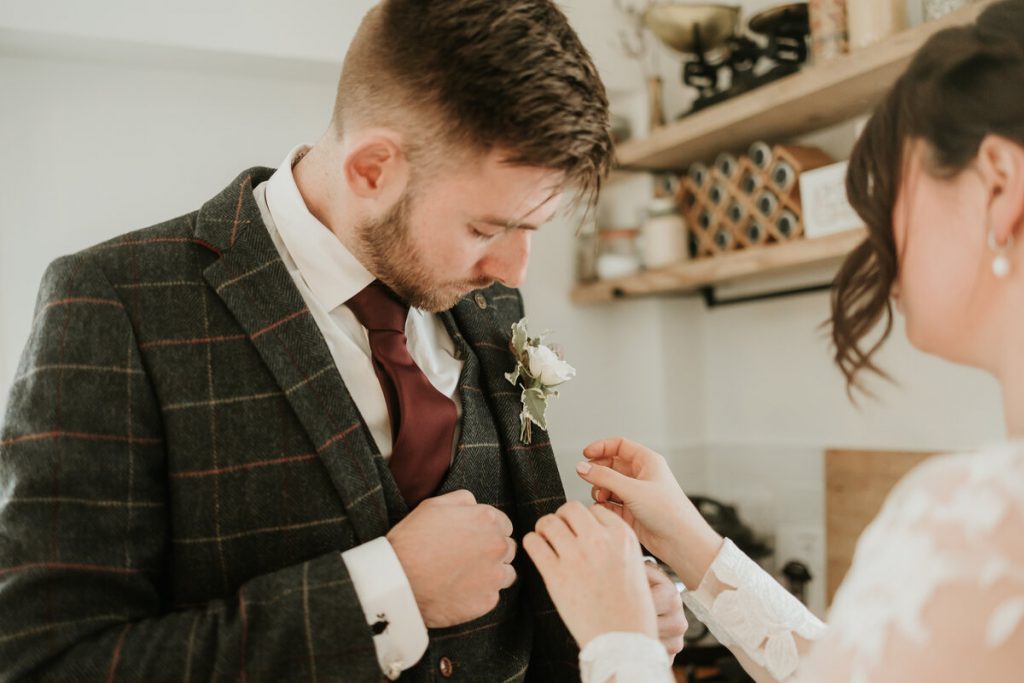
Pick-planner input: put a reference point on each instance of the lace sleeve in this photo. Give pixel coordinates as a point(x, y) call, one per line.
point(936, 589)
point(621, 657)
point(749, 612)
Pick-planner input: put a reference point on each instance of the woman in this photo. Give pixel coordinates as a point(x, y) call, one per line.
point(936, 590)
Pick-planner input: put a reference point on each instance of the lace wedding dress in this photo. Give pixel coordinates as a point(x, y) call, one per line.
point(935, 593)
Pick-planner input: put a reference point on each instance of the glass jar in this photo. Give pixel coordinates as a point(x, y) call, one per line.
point(868, 21)
point(828, 29)
point(617, 254)
point(586, 256)
point(664, 233)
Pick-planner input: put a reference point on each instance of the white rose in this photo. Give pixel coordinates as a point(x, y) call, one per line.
point(548, 367)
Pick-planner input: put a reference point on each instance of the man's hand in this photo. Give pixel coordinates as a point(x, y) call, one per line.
point(457, 555)
point(669, 606)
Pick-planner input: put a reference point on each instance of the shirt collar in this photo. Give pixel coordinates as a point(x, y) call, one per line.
point(330, 270)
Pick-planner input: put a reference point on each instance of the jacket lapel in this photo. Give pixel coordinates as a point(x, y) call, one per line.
point(535, 478)
point(253, 282)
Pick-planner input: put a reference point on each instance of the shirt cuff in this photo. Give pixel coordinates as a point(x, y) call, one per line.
point(626, 657)
point(400, 636)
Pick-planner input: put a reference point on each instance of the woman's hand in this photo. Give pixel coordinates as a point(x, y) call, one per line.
point(636, 483)
point(592, 567)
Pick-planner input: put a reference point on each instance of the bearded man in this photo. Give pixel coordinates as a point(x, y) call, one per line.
point(272, 439)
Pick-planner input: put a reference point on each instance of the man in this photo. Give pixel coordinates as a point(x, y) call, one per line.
point(272, 439)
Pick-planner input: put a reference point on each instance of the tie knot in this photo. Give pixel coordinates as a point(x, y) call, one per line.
point(379, 309)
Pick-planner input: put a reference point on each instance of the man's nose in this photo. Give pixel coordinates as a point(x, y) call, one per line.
point(508, 259)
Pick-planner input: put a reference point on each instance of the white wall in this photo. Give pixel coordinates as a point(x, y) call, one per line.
point(94, 150)
point(311, 29)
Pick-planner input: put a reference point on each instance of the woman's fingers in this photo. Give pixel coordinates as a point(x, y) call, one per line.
point(617, 448)
point(608, 516)
point(556, 532)
point(614, 509)
point(578, 518)
point(540, 552)
point(608, 483)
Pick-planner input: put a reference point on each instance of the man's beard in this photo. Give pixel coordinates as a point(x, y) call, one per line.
point(392, 256)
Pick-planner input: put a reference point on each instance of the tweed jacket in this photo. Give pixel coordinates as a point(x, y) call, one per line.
point(181, 465)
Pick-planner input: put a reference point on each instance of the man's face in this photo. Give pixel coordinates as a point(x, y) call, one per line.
point(461, 229)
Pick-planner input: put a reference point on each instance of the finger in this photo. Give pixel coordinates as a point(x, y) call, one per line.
point(667, 601)
point(602, 448)
point(502, 520)
point(617, 484)
point(542, 554)
point(615, 448)
point(460, 497)
point(578, 518)
point(655, 577)
point(671, 626)
point(613, 508)
point(510, 551)
point(601, 495)
point(557, 533)
point(673, 646)
point(510, 576)
point(606, 517)
point(628, 457)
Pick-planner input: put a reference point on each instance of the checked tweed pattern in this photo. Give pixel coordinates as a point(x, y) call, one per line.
point(181, 463)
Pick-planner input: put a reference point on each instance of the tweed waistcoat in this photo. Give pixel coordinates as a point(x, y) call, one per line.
point(182, 464)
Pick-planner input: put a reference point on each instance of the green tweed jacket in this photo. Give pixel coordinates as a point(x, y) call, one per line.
point(181, 463)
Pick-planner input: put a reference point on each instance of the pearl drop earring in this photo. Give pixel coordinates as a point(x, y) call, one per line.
point(1001, 266)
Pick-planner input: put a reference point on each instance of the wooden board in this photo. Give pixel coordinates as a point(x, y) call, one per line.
point(690, 276)
point(856, 485)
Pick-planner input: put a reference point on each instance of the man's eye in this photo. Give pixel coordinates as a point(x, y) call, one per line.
point(484, 236)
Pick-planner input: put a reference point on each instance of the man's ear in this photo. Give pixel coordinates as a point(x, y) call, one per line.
point(1001, 165)
point(375, 167)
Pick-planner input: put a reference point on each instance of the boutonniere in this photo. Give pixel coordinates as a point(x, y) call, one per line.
point(539, 369)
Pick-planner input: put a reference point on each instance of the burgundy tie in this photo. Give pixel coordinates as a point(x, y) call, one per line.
point(422, 418)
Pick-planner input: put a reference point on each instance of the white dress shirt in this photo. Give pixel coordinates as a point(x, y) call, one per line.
point(328, 275)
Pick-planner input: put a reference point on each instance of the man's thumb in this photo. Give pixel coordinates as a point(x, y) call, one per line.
point(603, 477)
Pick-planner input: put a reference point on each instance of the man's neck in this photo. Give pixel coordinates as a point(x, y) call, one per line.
point(314, 175)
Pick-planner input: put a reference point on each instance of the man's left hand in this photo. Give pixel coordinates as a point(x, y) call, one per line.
point(669, 606)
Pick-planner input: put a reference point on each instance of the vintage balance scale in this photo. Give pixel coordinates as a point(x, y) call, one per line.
point(720, 62)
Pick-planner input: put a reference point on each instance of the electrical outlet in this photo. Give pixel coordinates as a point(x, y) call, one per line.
point(805, 543)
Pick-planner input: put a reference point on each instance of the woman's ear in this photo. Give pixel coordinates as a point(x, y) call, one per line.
point(1001, 165)
point(374, 167)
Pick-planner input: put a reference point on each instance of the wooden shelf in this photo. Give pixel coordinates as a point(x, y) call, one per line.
point(691, 276)
point(817, 97)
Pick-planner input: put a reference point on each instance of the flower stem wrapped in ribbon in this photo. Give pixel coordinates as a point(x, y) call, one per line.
point(539, 369)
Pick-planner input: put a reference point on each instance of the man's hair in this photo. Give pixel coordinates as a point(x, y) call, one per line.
point(476, 75)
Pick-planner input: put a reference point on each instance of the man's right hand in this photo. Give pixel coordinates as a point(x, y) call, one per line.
point(457, 555)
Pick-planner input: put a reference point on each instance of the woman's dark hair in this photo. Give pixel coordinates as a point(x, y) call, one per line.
point(963, 84)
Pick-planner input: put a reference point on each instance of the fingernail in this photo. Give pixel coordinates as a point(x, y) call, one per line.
point(583, 467)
